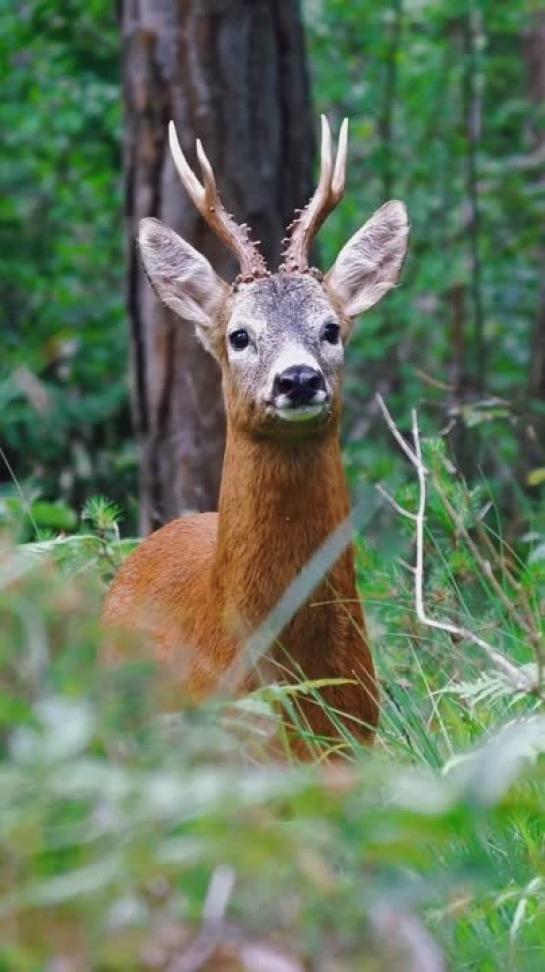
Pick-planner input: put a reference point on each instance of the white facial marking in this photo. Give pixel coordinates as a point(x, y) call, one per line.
point(303, 413)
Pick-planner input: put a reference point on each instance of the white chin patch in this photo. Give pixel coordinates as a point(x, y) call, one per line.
point(303, 413)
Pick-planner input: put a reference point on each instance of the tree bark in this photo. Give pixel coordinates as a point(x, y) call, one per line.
point(232, 73)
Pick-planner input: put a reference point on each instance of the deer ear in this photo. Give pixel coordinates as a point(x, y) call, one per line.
point(369, 265)
point(180, 275)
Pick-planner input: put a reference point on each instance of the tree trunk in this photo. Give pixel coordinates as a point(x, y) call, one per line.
point(233, 73)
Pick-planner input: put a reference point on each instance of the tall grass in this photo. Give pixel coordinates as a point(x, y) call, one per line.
point(132, 839)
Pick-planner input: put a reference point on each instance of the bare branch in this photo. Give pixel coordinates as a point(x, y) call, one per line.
point(518, 678)
point(394, 430)
point(390, 499)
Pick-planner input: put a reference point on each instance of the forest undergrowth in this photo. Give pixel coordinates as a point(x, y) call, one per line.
point(133, 839)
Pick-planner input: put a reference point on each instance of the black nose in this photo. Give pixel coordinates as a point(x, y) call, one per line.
point(299, 383)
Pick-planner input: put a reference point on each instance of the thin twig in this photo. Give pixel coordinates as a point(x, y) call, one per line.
point(518, 678)
point(390, 499)
point(395, 431)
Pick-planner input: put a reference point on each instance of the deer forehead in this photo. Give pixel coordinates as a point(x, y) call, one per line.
point(281, 309)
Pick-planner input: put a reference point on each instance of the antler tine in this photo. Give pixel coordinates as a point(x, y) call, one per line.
point(338, 182)
point(207, 200)
point(328, 193)
point(210, 189)
point(188, 177)
point(326, 163)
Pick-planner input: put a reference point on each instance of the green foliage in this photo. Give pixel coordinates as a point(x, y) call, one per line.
point(103, 515)
point(438, 97)
point(63, 385)
point(124, 828)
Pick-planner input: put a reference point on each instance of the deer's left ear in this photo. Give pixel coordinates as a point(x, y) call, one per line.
point(369, 265)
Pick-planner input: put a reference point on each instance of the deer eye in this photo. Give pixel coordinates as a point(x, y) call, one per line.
point(331, 332)
point(239, 339)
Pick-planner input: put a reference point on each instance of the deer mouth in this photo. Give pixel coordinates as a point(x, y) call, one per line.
point(300, 410)
point(299, 406)
point(301, 413)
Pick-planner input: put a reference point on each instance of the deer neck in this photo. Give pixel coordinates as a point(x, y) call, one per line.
point(278, 503)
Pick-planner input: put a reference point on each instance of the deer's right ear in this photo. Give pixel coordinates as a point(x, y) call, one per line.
point(180, 275)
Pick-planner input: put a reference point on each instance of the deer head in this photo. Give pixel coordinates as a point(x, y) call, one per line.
point(279, 338)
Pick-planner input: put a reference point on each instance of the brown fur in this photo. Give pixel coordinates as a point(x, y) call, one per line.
point(199, 584)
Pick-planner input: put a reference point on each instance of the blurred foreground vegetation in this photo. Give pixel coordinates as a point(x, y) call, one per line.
point(138, 840)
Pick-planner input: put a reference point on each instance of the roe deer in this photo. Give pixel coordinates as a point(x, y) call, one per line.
point(200, 585)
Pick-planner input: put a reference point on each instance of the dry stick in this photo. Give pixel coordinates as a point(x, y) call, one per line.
point(390, 499)
point(518, 678)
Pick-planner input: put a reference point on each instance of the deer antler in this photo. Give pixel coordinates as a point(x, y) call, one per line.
point(208, 202)
point(329, 192)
